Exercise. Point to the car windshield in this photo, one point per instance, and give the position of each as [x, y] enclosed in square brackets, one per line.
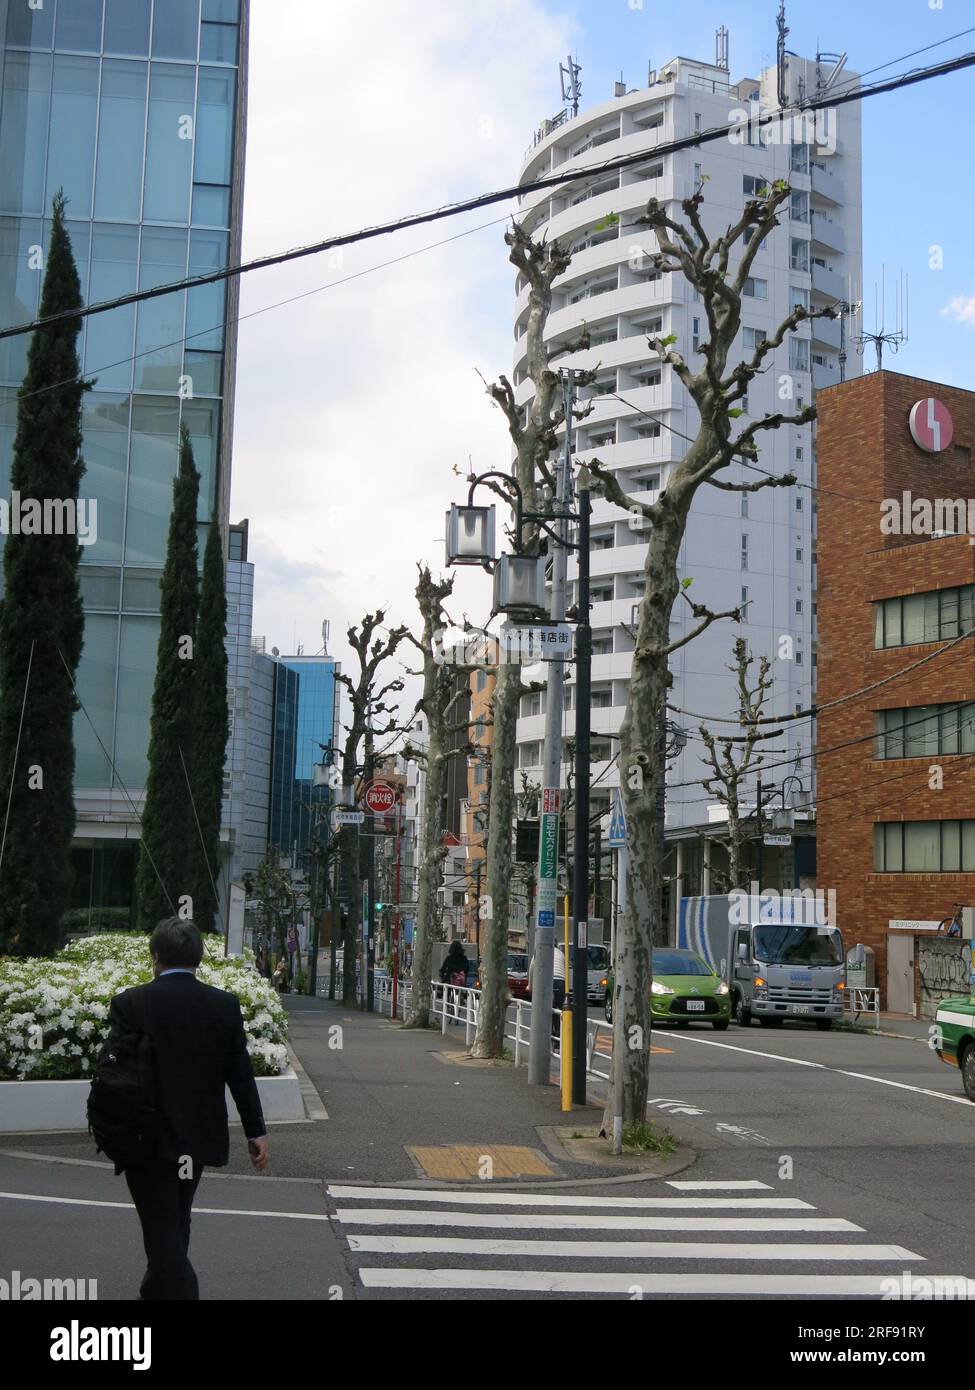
[598, 958]
[794, 945]
[679, 963]
[517, 963]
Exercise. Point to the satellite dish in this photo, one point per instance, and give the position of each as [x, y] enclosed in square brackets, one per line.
[275, 651]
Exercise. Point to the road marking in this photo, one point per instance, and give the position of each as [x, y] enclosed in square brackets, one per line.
[197, 1211]
[837, 1071]
[749, 1184]
[549, 1199]
[626, 1250]
[555, 1281]
[572, 1222]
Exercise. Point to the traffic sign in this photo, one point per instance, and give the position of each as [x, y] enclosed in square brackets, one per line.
[781, 840]
[617, 824]
[931, 425]
[341, 817]
[380, 798]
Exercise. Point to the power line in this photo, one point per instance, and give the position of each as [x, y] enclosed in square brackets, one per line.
[500, 196]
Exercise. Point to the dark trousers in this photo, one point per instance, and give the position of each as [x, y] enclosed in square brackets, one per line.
[164, 1202]
[558, 999]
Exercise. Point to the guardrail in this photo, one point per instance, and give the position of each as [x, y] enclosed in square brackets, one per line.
[863, 999]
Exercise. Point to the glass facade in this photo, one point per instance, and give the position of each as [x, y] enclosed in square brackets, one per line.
[304, 719]
[130, 107]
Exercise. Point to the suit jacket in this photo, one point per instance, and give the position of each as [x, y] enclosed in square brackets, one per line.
[199, 1045]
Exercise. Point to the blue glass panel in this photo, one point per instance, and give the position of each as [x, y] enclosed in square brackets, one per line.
[175, 27]
[205, 370]
[118, 177]
[136, 676]
[202, 419]
[160, 321]
[24, 111]
[225, 11]
[207, 305]
[109, 345]
[211, 205]
[127, 27]
[21, 268]
[71, 150]
[105, 431]
[79, 26]
[169, 156]
[152, 468]
[218, 43]
[96, 690]
[29, 28]
[215, 127]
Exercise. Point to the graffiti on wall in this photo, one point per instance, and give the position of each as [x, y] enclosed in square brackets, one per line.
[945, 968]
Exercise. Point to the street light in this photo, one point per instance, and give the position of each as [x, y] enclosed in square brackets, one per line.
[470, 535]
[519, 585]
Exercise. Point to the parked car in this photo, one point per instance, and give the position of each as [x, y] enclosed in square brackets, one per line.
[955, 1037]
[517, 975]
[684, 990]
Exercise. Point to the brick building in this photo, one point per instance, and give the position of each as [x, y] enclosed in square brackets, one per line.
[896, 805]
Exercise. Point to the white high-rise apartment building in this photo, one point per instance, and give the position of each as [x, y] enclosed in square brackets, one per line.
[756, 549]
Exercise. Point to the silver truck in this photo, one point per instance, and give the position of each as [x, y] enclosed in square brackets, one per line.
[778, 958]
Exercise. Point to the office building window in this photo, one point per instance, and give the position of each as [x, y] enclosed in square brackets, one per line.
[935, 616]
[924, 731]
[924, 846]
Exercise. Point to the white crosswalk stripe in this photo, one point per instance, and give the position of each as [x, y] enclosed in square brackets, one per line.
[466, 1242]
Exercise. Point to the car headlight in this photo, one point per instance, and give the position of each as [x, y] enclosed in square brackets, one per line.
[722, 988]
[657, 988]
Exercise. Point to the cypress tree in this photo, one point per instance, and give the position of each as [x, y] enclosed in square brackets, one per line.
[164, 872]
[42, 624]
[211, 728]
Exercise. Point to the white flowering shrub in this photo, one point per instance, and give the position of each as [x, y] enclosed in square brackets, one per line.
[54, 1011]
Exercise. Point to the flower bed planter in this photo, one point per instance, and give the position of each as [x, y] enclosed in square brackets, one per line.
[33, 1106]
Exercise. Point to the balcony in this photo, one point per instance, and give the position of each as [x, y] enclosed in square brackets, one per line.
[826, 332]
[827, 282]
[827, 234]
[824, 376]
[828, 185]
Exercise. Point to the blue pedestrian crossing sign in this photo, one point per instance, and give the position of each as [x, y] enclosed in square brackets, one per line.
[617, 824]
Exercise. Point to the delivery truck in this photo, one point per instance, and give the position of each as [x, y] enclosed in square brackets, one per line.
[778, 954]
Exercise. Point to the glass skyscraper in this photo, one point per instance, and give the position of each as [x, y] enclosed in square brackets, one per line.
[305, 718]
[135, 108]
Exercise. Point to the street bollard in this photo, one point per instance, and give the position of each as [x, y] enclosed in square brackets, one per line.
[566, 1059]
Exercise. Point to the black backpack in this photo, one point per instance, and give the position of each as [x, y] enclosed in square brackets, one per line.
[122, 1113]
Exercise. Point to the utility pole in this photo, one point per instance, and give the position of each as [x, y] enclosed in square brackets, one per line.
[396, 899]
[540, 1051]
[580, 894]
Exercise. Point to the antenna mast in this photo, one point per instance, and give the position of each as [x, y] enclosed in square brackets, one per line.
[571, 85]
[880, 337]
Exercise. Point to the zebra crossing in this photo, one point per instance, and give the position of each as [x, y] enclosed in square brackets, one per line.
[737, 1239]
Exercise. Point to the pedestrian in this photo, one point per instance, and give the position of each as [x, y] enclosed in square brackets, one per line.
[198, 1047]
[453, 971]
[280, 977]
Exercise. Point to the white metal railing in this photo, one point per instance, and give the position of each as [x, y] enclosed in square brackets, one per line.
[863, 999]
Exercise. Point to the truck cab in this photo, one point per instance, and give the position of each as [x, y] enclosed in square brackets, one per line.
[785, 969]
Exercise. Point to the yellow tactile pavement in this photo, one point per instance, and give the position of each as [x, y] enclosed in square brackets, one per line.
[461, 1162]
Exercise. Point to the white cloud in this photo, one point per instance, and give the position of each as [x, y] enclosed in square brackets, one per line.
[354, 405]
[961, 309]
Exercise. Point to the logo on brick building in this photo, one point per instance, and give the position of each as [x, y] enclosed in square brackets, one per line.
[931, 425]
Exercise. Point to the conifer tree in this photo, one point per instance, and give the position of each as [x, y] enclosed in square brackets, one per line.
[211, 727]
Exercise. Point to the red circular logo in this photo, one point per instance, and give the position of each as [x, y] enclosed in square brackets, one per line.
[380, 797]
[931, 425]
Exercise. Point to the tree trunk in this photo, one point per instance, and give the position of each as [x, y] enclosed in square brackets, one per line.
[350, 930]
[495, 904]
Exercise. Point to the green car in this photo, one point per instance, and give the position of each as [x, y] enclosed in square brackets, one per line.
[685, 990]
[955, 1038]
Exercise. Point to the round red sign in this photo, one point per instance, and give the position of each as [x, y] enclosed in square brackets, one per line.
[931, 425]
[380, 798]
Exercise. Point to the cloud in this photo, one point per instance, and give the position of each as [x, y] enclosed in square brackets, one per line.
[354, 405]
[961, 309]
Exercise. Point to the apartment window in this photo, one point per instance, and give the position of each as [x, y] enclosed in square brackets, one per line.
[602, 541]
[479, 774]
[799, 254]
[602, 644]
[798, 605]
[799, 453]
[651, 171]
[935, 616]
[754, 185]
[798, 504]
[799, 354]
[481, 680]
[799, 552]
[799, 207]
[798, 658]
[744, 594]
[744, 504]
[650, 430]
[602, 697]
[755, 288]
[753, 337]
[648, 376]
[744, 552]
[600, 750]
[924, 846]
[799, 159]
[799, 297]
[697, 122]
[531, 754]
[645, 482]
[924, 731]
[698, 172]
[601, 593]
[531, 704]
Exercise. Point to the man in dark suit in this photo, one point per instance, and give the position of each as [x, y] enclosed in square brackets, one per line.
[199, 1047]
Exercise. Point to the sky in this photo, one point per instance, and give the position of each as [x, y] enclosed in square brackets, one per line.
[359, 403]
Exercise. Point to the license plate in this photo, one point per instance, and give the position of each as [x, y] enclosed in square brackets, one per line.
[695, 1006]
[800, 1008]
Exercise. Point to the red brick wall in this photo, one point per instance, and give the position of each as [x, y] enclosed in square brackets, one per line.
[865, 454]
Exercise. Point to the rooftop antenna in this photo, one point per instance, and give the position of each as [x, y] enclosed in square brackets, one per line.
[838, 60]
[571, 85]
[325, 630]
[721, 48]
[783, 30]
[881, 336]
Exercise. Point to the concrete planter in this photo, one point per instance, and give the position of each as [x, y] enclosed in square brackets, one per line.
[32, 1106]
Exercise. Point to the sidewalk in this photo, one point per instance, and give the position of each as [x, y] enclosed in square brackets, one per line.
[404, 1105]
